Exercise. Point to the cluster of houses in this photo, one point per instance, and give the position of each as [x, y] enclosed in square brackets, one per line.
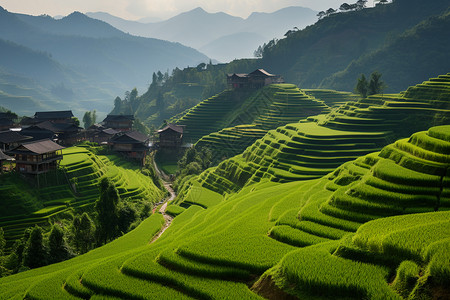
[35, 144]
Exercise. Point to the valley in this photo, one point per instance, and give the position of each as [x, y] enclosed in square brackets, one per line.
[318, 170]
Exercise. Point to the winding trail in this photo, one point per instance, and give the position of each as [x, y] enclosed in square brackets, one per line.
[167, 218]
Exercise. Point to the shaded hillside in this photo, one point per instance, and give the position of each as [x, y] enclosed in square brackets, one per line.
[73, 188]
[93, 62]
[321, 238]
[312, 148]
[398, 62]
[308, 56]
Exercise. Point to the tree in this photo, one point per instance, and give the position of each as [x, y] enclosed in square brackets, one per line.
[362, 86]
[345, 7]
[127, 215]
[89, 118]
[83, 231]
[330, 11]
[2, 241]
[35, 253]
[58, 248]
[258, 52]
[321, 14]
[376, 85]
[361, 4]
[107, 212]
[117, 105]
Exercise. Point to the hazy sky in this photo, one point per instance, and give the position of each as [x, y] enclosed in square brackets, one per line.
[136, 9]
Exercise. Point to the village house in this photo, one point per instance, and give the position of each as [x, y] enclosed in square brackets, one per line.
[119, 122]
[64, 133]
[37, 157]
[63, 116]
[254, 80]
[171, 136]
[99, 134]
[131, 144]
[11, 139]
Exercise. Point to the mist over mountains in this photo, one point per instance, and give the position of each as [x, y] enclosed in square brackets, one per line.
[220, 36]
[80, 58]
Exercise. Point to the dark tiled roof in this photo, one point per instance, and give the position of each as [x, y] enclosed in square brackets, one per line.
[110, 118]
[6, 122]
[49, 115]
[37, 133]
[38, 147]
[261, 72]
[3, 156]
[258, 72]
[110, 131]
[129, 137]
[7, 137]
[174, 127]
[58, 127]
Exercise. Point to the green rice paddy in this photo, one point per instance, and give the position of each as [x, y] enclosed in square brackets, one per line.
[309, 239]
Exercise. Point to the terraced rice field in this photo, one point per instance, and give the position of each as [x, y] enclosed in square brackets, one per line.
[314, 147]
[268, 108]
[313, 239]
[74, 187]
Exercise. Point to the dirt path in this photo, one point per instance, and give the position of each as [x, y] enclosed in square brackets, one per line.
[168, 219]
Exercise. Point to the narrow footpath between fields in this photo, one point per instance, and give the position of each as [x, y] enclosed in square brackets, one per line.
[167, 218]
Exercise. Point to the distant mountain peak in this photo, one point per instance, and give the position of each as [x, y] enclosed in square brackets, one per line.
[76, 15]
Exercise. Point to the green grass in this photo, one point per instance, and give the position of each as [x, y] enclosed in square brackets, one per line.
[345, 235]
[73, 187]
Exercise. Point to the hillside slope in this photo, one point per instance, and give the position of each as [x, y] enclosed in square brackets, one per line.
[74, 187]
[316, 146]
[319, 238]
[266, 108]
[428, 39]
[273, 106]
[95, 62]
[308, 56]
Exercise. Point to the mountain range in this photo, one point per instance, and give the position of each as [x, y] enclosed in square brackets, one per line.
[77, 62]
[220, 36]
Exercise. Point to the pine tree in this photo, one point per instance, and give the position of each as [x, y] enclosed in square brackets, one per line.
[107, 212]
[362, 86]
[58, 248]
[35, 254]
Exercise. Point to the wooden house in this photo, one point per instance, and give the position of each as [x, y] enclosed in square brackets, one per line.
[62, 116]
[37, 157]
[119, 122]
[64, 133]
[131, 144]
[254, 80]
[170, 136]
[11, 139]
[99, 134]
